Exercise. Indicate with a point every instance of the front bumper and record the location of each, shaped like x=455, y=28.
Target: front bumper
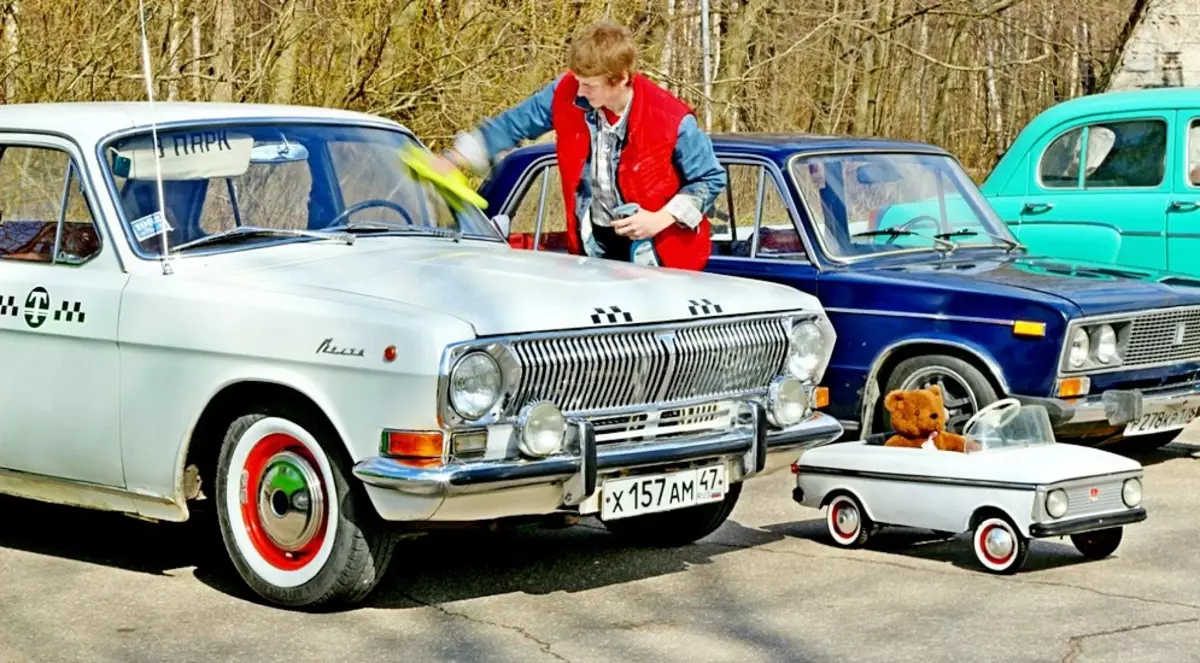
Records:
x=1087, y=523
x=1117, y=408
x=579, y=469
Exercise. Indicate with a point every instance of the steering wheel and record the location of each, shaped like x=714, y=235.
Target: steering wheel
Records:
x=913, y=221
x=1004, y=410
x=372, y=202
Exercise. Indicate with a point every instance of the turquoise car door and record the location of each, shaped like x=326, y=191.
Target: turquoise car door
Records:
x=1183, y=211
x=1101, y=186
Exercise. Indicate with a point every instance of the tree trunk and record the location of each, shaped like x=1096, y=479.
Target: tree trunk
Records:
x=12, y=47
x=224, y=26
x=175, y=27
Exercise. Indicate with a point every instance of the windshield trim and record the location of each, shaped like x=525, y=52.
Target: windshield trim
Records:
x=790, y=174
x=106, y=141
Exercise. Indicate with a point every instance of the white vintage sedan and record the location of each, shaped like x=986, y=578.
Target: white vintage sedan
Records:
x=258, y=313
x=1014, y=483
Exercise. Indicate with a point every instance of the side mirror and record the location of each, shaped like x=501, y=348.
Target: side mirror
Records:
x=502, y=223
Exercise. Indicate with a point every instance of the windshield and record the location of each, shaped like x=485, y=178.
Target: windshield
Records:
x=288, y=177
x=877, y=203
x=1010, y=425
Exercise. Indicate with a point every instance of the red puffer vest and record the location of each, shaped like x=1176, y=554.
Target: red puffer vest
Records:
x=646, y=173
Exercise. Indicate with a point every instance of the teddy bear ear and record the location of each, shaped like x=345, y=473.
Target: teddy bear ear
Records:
x=937, y=391
x=893, y=399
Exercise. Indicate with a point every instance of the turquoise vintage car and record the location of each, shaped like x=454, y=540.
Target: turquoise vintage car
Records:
x=1136, y=201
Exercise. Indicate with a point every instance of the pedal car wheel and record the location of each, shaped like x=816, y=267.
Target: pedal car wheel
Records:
x=677, y=528
x=999, y=546
x=849, y=525
x=296, y=532
x=1099, y=543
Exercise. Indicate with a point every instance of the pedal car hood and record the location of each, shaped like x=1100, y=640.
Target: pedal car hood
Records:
x=1021, y=465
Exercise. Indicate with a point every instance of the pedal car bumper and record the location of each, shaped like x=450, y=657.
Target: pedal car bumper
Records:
x=1087, y=523
x=1139, y=412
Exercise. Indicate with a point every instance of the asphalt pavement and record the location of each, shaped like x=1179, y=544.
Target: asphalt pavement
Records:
x=768, y=586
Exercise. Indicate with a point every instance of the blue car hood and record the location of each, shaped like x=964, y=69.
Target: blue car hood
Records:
x=1094, y=288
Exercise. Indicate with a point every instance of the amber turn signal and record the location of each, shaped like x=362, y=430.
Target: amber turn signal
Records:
x=820, y=397
x=413, y=444
x=1029, y=328
x=1072, y=387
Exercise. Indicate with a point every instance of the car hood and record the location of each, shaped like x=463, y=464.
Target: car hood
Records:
x=500, y=290
x=1094, y=288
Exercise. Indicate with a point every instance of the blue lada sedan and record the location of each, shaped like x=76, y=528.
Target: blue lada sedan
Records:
x=925, y=285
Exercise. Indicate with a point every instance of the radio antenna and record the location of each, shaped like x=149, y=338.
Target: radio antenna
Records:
x=162, y=214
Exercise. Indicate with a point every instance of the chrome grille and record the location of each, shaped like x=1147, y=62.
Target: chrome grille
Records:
x=1079, y=502
x=1153, y=336
x=603, y=371
x=664, y=424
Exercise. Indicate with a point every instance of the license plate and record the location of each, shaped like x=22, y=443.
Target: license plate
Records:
x=652, y=493
x=1155, y=422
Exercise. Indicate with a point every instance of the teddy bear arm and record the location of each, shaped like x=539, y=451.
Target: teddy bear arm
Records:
x=951, y=442
x=901, y=441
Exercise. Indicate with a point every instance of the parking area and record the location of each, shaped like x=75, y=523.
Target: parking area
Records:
x=83, y=586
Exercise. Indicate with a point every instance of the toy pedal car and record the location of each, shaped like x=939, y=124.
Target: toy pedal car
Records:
x=1013, y=483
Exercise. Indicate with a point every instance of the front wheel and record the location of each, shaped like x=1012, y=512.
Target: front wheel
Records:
x=677, y=528
x=1098, y=544
x=293, y=528
x=999, y=547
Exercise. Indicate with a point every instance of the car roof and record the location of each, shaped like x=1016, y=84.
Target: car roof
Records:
x=1119, y=100
x=89, y=121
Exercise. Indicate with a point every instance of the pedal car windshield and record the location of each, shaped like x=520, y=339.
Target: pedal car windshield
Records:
x=1008, y=424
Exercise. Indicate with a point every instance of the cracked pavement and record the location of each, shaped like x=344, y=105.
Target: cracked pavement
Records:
x=768, y=586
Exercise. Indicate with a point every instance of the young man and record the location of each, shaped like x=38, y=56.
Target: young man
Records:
x=620, y=139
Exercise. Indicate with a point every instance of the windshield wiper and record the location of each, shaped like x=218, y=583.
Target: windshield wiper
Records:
x=240, y=232
x=895, y=232
x=1010, y=244
x=379, y=227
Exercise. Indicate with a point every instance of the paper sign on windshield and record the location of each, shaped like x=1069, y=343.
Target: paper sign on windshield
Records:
x=186, y=155
x=149, y=226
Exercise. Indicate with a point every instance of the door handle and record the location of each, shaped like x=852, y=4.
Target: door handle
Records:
x=1036, y=208
x=1183, y=206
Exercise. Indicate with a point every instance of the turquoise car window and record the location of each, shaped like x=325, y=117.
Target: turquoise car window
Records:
x=1059, y=165
x=1193, y=152
x=1126, y=154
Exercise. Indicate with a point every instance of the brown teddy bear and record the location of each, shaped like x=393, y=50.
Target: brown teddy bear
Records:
x=919, y=419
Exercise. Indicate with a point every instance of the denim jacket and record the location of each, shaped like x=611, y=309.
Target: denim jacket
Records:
x=702, y=175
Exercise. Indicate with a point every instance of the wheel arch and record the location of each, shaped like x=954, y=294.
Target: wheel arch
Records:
x=843, y=489
x=890, y=357
x=984, y=511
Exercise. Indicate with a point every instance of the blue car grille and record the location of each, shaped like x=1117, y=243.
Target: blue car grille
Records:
x=1164, y=336
x=606, y=371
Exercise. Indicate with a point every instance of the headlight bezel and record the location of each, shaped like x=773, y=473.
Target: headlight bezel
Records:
x=510, y=374
x=1066, y=503
x=824, y=339
x=490, y=364
x=1105, y=341
x=1131, y=481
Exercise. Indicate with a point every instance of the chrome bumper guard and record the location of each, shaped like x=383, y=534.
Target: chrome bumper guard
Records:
x=579, y=467
x=1115, y=406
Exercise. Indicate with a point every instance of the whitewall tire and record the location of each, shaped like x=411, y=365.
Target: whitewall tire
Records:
x=282, y=498
x=998, y=546
x=848, y=523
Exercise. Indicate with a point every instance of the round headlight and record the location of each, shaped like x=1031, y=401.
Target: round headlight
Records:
x=1080, y=345
x=474, y=385
x=1106, y=344
x=786, y=402
x=541, y=427
x=807, y=345
x=1056, y=503
x=1131, y=492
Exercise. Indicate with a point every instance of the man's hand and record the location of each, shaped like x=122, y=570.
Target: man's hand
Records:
x=643, y=224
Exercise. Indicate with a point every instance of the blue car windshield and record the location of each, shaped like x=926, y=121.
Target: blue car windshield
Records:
x=289, y=177
x=876, y=203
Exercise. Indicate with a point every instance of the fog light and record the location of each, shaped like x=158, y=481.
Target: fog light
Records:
x=786, y=402
x=541, y=427
x=1056, y=503
x=1131, y=492
x=470, y=443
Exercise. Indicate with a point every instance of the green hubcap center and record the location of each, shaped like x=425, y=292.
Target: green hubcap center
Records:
x=291, y=507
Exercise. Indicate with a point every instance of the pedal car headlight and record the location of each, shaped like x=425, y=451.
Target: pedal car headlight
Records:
x=1080, y=345
x=474, y=385
x=1056, y=503
x=541, y=427
x=1131, y=492
x=806, y=346
x=786, y=402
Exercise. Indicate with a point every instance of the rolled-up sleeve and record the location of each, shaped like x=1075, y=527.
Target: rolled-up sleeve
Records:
x=703, y=177
x=525, y=121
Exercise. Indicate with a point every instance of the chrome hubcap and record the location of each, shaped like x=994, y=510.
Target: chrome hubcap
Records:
x=290, y=505
x=846, y=519
x=998, y=543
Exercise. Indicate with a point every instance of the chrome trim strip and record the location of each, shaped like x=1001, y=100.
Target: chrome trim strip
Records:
x=871, y=389
x=941, y=317
x=457, y=478
x=914, y=478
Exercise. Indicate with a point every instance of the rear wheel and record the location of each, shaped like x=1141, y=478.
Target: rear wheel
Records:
x=848, y=523
x=1099, y=543
x=965, y=389
x=294, y=528
x=677, y=528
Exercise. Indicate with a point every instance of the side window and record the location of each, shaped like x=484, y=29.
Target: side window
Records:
x=1059, y=165
x=39, y=188
x=1193, y=153
x=540, y=203
x=1126, y=154
x=752, y=210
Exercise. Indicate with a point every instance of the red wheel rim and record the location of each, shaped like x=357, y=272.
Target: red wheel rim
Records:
x=835, y=520
x=983, y=546
x=285, y=462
